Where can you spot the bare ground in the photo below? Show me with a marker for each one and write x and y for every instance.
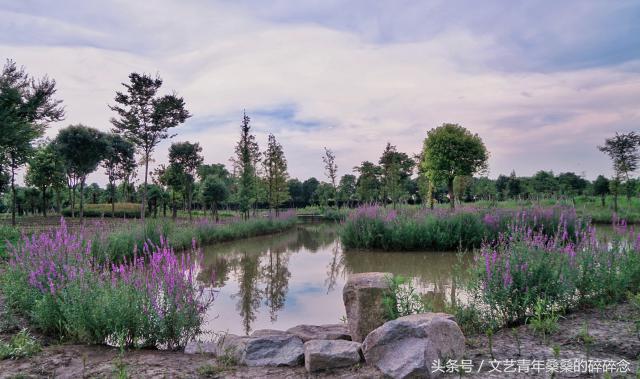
(591, 334)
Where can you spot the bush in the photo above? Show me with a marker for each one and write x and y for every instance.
(8, 234)
(122, 210)
(21, 345)
(149, 300)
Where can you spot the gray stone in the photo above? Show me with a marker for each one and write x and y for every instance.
(200, 347)
(330, 354)
(268, 332)
(321, 332)
(408, 346)
(363, 295)
(264, 349)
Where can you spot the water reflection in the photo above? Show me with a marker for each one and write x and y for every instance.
(296, 277)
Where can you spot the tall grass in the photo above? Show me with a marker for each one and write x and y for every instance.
(375, 227)
(8, 235)
(150, 300)
(122, 243)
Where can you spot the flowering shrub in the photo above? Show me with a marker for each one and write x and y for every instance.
(524, 267)
(150, 300)
(375, 227)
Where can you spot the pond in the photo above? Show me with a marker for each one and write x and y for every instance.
(296, 277)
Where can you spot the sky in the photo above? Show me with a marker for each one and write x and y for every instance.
(543, 83)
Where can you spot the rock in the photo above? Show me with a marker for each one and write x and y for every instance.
(321, 332)
(408, 346)
(199, 347)
(362, 297)
(268, 332)
(263, 349)
(330, 354)
(274, 350)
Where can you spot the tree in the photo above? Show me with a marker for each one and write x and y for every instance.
(501, 186)
(81, 149)
(296, 192)
(185, 158)
(247, 156)
(601, 188)
(45, 171)
(545, 183)
(214, 191)
(395, 169)
(119, 163)
(368, 185)
(571, 184)
(145, 117)
(27, 106)
(309, 188)
(347, 189)
(514, 185)
(331, 170)
(275, 170)
(623, 151)
(451, 150)
(216, 169)
(484, 188)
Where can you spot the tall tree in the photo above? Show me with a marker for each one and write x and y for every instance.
(144, 117)
(276, 176)
(601, 188)
(347, 189)
(186, 157)
(331, 171)
(245, 161)
(368, 185)
(119, 162)
(27, 106)
(81, 149)
(623, 151)
(45, 170)
(395, 169)
(309, 188)
(451, 150)
(214, 191)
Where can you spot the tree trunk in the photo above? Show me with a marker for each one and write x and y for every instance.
(615, 202)
(452, 196)
(113, 200)
(602, 199)
(190, 198)
(44, 202)
(82, 198)
(144, 190)
(58, 202)
(174, 214)
(13, 194)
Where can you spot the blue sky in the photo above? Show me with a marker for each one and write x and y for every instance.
(543, 83)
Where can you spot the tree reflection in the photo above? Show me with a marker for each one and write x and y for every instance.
(335, 267)
(276, 275)
(248, 291)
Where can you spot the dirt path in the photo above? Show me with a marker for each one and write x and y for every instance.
(596, 335)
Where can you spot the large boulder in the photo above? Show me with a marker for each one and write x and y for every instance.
(263, 349)
(321, 332)
(408, 346)
(363, 295)
(330, 354)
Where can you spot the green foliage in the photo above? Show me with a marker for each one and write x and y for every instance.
(8, 234)
(275, 174)
(402, 298)
(21, 345)
(544, 321)
(122, 210)
(246, 159)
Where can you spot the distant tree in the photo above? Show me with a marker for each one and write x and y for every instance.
(45, 171)
(451, 150)
(331, 171)
(309, 187)
(571, 184)
(295, 190)
(145, 118)
(216, 169)
(276, 176)
(185, 158)
(323, 194)
(27, 106)
(245, 161)
(514, 185)
(601, 188)
(501, 186)
(395, 172)
(623, 151)
(214, 191)
(462, 187)
(119, 162)
(368, 185)
(484, 188)
(347, 189)
(155, 195)
(81, 149)
(544, 183)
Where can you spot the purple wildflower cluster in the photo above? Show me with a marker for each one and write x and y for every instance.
(162, 285)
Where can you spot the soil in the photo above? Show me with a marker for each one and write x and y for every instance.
(591, 334)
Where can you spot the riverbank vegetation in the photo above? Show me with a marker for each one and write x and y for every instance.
(150, 300)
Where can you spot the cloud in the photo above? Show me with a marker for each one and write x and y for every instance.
(315, 79)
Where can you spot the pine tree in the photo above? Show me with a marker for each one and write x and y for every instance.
(276, 176)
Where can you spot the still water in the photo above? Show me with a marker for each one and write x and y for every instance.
(296, 277)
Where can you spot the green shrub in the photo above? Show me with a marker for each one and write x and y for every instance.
(402, 298)
(21, 345)
(8, 234)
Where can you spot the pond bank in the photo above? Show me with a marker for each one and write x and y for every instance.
(610, 335)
